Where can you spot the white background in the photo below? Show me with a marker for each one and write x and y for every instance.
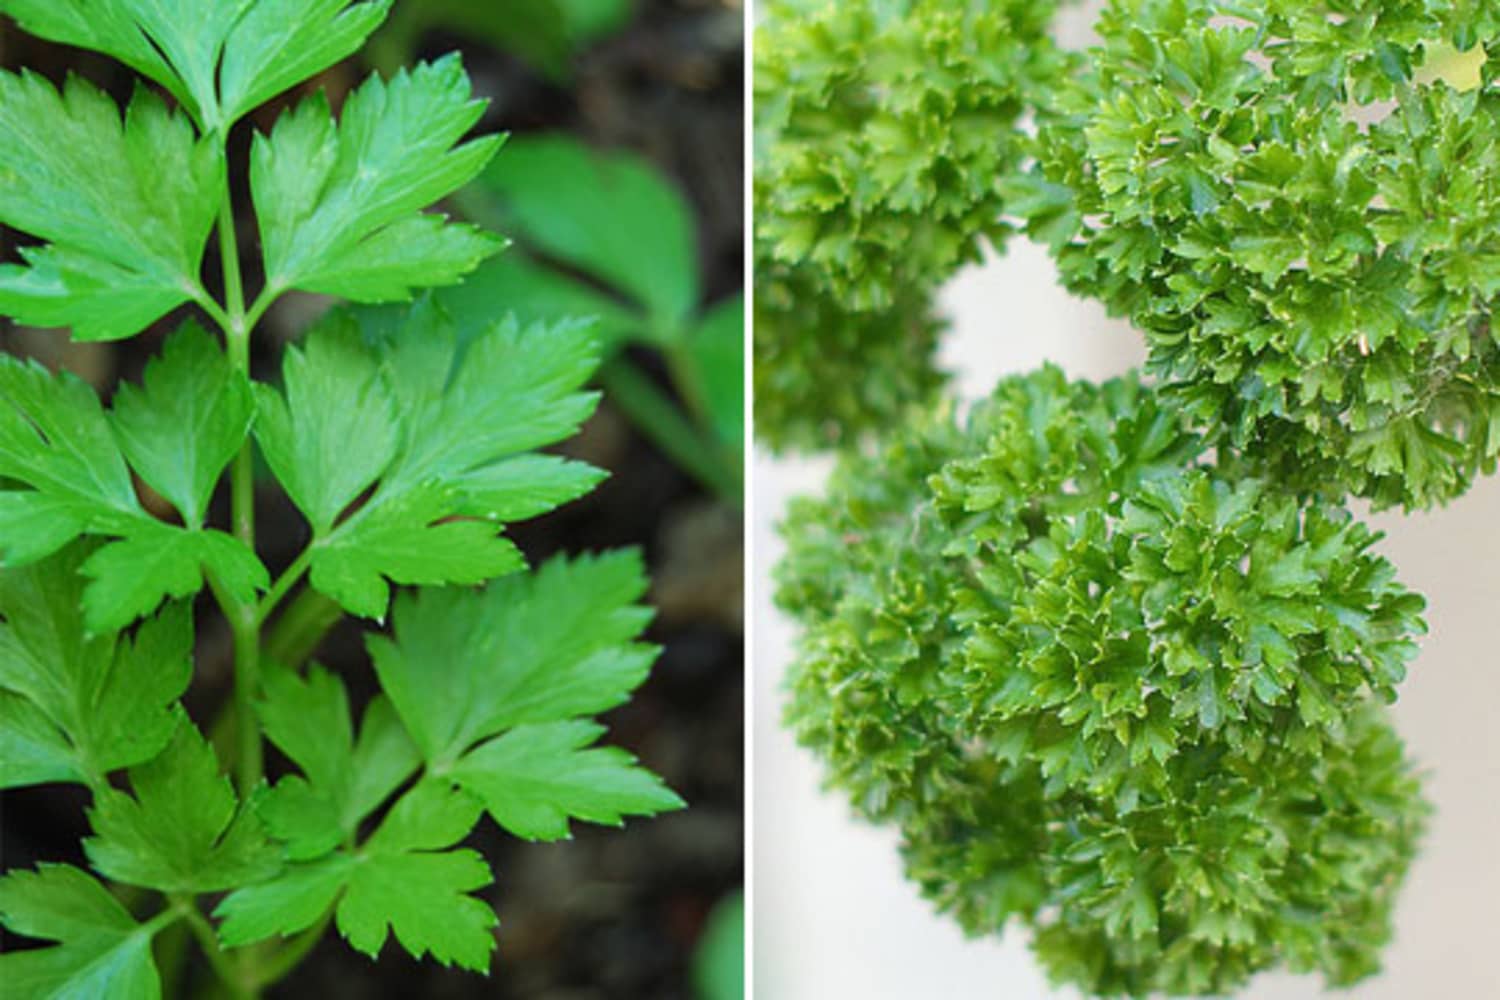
(833, 916)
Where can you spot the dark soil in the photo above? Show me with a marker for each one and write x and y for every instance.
(611, 913)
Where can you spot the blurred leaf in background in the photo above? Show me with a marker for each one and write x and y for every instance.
(636, 272)
(719, 967)
(545, 33)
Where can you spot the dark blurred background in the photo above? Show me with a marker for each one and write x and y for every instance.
(640, 912)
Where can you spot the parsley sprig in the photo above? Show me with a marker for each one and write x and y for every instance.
(405, 447)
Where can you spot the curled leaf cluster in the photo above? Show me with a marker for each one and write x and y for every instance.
(881, 130)
(1298, 205)
(1111, 689)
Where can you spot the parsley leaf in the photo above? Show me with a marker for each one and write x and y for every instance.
(454, 466)
(402, 881)
(527, 655)
(182, 830)
(188, 421)
(337, 203)
(331, 431)
(80, 706)
(280, 43)
(344, 781)
(56, 439)
(534, 778)
(125, 208)
(102, 951)
(108, 26)
(221, 59)
(33, 751)
(132, 576)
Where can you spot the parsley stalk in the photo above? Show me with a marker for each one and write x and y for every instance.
(244, 618)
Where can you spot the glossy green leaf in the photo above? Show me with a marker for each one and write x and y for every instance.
(182, 829)
(100, 950)
(124, 207)
(338, 203)
(81, 705)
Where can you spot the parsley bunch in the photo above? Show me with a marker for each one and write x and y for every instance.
(881, 130)
(1300, 216)
(1109, 690)
(1111, 657)
(405, 447)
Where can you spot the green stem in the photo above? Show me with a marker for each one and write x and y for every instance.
(282, 586)
(243, 617)
(215, 311)
(223, 966)
(301, 628)
(268, 296)
(663, 422)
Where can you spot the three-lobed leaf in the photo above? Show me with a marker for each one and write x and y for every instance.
(343, 781)
(535, 778)
(448, 471)
(59, 444)
(181, 428)
(521, 662)
(405, 881)
(182, 829)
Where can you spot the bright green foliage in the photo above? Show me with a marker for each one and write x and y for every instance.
(188, 420)
(57, 440)
(279, 43)
(77, 706)
(101, 950)
(1111, 691)
(534, 778)
(627, 238)
(343, 780)
(339, 204)
(183, 829)
(404, 879)
(1314, 269)
(512, 670)
(220, 58)
(405, 443)
(824, 376)
(493, 687)
(444, 430)
(125, 206)
(881, 130)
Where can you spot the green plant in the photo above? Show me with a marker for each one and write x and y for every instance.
(545, 33)
(607, 236)
(1106, 689)
(406, 449)
(1110, 657)
(880, 130)
(1314, 270)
